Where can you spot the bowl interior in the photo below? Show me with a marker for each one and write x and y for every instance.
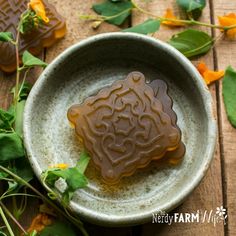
(81, 72)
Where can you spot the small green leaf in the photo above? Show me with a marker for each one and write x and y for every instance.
(193, 8)
(115, 12)
(30, 61)
(147, 27)
(11, 146)
(59, 228)
(192, 42)
(6, 36)
(24, 91)
(6, 119)
(73, 177)
(3, 175)
(229, 94)
(83, 162)
(12, 185)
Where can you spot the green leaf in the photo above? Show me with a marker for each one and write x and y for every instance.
(193, 8)
(30, 61)
(147, 27)
(12, 185)
(73, 177)
(11, 146)
(115, 12)
(192, 42)
(24, 91)
(6, 36)
(23, 169)
(59, 228)
(6, 119)
(229, 94)
(3, 175)
(83, 162)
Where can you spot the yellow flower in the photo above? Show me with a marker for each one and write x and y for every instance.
(209, 75)
(60, 166)
(170, 15)
(38, 7)
(228, 20)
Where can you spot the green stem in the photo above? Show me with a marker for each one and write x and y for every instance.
(78, 223)
(17, 66)
(12, 217)
(189, 22)
(6, 222)
(103, 18)
(18, 194)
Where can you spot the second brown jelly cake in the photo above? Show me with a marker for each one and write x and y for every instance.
(160, 90)
(44, 36)
(124, 127)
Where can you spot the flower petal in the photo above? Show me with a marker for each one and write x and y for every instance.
(209, 76)
(60, 166)
(38, 7)
(228, 20)
(170, 15)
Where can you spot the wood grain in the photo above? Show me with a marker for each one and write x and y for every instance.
(226, 55)
(209, 193)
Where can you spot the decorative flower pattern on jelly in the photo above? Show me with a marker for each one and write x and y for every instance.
(124, 127)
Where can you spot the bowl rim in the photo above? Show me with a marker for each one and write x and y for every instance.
(113, 220)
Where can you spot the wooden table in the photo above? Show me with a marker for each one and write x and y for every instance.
(219, 185)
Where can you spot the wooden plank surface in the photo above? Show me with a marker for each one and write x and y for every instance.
(226, 55)
(208, 195)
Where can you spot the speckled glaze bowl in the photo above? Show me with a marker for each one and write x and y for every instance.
(81, 71)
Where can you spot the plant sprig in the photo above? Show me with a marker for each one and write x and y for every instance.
(15, 170)
(195, 41)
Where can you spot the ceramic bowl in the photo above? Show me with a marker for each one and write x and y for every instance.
(81, 71)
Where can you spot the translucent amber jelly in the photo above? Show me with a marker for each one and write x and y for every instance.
(44, 36)
(124, 127)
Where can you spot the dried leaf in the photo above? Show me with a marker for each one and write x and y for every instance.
(209, 76)
(39, 222)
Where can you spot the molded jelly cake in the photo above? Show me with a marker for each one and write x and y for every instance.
(124, 127)
(44, 36)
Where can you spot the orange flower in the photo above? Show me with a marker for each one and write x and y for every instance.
(38, 7)
(170, 15)
(60, 166)
(228, 20)
(39, 222)
(209, 75)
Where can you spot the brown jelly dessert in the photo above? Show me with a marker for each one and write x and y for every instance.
(124, 127)
(160, 90)
(45, 36)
